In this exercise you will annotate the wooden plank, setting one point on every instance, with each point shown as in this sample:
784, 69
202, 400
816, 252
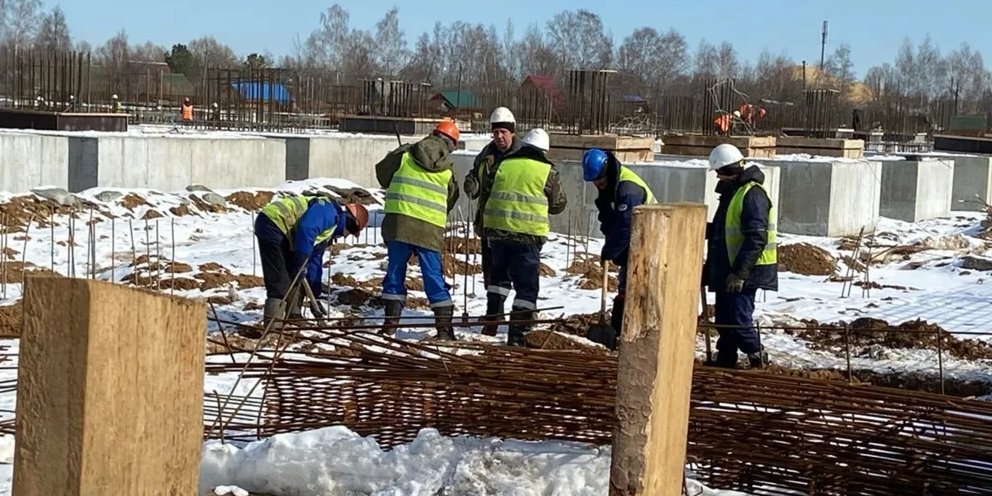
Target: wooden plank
605, 141
824, 152
713, 141
109, 390
657, 350
792, 142
625, 157
703, 151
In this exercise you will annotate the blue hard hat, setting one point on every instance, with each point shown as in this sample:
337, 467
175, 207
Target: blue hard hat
593, 164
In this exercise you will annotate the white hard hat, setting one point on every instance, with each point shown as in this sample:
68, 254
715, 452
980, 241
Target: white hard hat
502, 114
724, 155
114, 96
737, 114
538, 138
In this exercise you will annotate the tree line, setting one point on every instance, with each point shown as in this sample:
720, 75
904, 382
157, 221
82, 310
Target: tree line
479, 57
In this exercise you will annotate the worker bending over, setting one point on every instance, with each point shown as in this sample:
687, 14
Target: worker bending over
420, 191
741, 254
620, 190
479, 183
293, 233
526, 189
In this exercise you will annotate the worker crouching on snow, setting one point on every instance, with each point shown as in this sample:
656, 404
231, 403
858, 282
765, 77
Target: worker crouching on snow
420, 191
293, 233
741, 254
620, 190
525, 191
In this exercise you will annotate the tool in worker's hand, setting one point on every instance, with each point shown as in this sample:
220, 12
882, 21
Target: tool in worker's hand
602, 332
706, 322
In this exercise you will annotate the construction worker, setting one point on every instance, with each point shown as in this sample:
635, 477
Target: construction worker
186, 111
620, 190
478, 184
420, 191
115, 107
741, 254
526, 189
293, 233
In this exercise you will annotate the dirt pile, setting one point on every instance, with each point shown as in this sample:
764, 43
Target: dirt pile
549, 340
132, 201
250, 201
912, 381
355, 297
221, 278
806, 259
207, 206
865, 334
576, 324
19, 210
458, 245
453, 266
341, 280
354, 195
152, 214
180, 211
11, 320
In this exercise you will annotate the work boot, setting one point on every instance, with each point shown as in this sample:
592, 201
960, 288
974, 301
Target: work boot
295, 304
393, 310
758, 360
494, 306
442, 315
724, 359
274, 310
616, 315
518, 332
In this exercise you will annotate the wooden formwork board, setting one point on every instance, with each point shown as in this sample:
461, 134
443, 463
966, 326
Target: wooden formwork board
606, 141
823, 152
846, 148
700, 145
624, 156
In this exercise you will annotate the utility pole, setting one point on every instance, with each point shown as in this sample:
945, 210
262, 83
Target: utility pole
823, 46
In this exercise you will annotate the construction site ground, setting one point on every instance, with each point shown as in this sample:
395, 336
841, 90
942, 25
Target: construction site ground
832, 291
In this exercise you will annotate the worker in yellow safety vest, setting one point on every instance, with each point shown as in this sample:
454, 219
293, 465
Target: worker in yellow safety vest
293, 233
741, 255
420, 191
525, 191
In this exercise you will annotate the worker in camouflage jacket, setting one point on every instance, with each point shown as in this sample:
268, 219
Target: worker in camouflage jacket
479, 182
420, 191
526, 190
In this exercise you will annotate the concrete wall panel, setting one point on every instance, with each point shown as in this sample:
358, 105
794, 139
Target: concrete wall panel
230, 163
916, 190
855, 196
972, 186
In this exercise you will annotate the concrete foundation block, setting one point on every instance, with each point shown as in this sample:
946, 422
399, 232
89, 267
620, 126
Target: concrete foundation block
826, 198
32, 160
84, 155
972, 183
917, 190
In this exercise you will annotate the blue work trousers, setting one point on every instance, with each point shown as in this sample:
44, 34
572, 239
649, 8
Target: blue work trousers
394, 285
733, 314
516, 266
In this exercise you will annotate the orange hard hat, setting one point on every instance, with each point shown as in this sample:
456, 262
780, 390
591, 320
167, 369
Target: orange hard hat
361, 215
449, 129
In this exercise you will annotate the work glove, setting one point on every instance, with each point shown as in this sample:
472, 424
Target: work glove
735, 283
471, 186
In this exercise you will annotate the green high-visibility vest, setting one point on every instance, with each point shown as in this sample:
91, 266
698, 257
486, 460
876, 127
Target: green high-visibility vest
734, 234
286, 212
629, 175
417, 193
517, 202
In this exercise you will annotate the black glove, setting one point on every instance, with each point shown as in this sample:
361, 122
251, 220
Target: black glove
735, 283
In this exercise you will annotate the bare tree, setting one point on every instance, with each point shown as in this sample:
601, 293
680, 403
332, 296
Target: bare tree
391, 53
53, 32
578, 38
840, 67
147, 52
652, 59
536, 55
211, 53
426, 62
114, 56
326, 46
20, 21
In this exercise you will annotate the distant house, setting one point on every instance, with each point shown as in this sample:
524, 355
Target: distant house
461, 101
540, 98
262, 93
635, 104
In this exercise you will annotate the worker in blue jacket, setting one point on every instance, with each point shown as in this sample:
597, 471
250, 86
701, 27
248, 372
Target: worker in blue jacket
293, 233
620, 190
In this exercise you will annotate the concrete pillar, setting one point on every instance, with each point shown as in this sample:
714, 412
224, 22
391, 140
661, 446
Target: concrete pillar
297, 159
84, 158
972, 183
109, 391
916, 190
657, 350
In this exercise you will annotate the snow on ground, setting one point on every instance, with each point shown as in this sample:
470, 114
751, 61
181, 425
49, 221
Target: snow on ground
937, 289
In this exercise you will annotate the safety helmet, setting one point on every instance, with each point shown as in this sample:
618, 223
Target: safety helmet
502, 114
593, 164
724, 155
449, 129
361, 215
538, 138
114, 96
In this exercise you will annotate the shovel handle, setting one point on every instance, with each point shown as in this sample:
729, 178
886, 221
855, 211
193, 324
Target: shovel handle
602, 295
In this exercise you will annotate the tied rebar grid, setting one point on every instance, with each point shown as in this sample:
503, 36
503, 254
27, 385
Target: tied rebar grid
748, 431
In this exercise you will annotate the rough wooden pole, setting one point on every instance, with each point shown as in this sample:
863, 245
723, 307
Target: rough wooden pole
657, 350
110, 390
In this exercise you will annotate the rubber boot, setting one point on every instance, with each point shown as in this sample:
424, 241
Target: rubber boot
518, 332
442, 315
274, 310
295, 304
758, 360
393, 310
494, 306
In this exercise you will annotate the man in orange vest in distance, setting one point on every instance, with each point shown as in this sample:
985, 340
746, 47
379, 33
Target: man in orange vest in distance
186, 110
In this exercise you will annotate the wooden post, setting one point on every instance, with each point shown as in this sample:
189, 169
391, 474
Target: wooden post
109, 391
657, 350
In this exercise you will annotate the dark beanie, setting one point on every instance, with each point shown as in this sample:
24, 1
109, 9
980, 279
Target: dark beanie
509, 126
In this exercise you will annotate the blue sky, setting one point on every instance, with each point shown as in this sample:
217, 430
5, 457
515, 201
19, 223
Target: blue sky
873, 28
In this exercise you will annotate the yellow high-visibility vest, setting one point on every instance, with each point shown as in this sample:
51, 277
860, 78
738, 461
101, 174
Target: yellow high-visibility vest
517, 202
734, 234
417, 193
